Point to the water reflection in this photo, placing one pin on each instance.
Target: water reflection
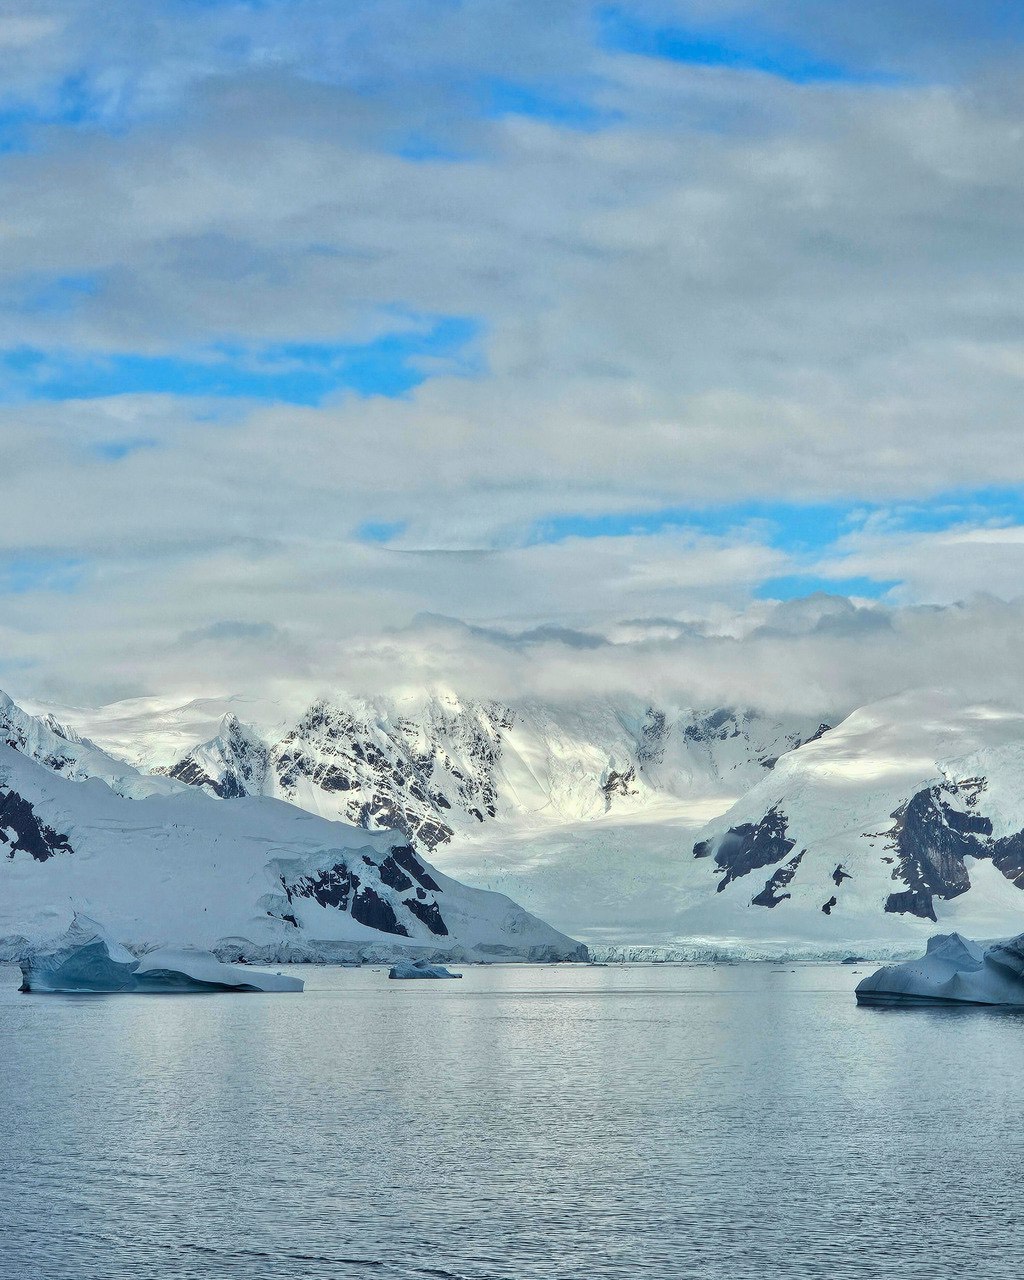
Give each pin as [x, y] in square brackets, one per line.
[713, 1122]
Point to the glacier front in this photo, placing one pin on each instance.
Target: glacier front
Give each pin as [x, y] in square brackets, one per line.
[420, 969]
[252, 879]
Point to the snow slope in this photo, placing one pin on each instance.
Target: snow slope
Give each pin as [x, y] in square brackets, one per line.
[582, 808]
[253, 877]
[436, 766]
[910, 812]
[152, 733]
[859, 840]
[62, 750]
[616, 878]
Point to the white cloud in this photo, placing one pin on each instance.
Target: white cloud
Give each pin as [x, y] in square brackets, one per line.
[740, 288]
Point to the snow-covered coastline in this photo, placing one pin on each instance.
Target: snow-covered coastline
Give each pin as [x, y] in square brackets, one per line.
[166, 864]
[612, 822]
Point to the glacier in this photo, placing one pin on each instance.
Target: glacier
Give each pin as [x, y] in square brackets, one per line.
[419, 969]
[646, 830]
[437, 765]
[252, 878]
[581, 811]
[87, 959]
[909, 814]
[953, 970]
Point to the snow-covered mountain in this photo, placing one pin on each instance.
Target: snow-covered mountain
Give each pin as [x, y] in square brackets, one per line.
[62, 750]
[153, 732]
[586, 808]
[435, 765]
[910, 812]
[618, 820]
[160, 861]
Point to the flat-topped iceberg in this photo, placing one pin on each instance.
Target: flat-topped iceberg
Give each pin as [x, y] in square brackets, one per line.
[953, 970]
[420, 969]
[87, 959]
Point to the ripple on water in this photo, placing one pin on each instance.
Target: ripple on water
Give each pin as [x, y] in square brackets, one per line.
[535, 1124]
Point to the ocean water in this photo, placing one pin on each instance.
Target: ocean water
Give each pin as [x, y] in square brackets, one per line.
[526, 1123]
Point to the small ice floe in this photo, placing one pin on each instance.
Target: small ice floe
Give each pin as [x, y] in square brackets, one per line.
[953, 970]
[420, 969]
[87, 959]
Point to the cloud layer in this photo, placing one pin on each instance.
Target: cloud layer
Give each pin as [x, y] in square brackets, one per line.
[316, 318]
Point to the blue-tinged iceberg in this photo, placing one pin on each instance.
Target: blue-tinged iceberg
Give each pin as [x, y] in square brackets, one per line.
[420, 969]
[953, 970]
[87, 959]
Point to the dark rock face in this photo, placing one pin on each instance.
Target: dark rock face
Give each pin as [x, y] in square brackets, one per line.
[393, 876]
[428, 913]
[242, 760]
[651, 747]
[22, 832]
[827, 906]
[369, 908]
[12, 733]
[729, 722]
[794, 741]
[405, 856]
[330, 888]
[189, 771]
[934, 832]
[911, 902]
[931, 840]
[343, 889]
[716, 724]
[1008, 857]
[840, 874]
[770, 895]
[745, 848]
[620, 784]
[396, 775]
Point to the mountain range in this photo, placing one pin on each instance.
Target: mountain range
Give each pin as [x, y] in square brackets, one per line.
[159, 861]
[641, 827]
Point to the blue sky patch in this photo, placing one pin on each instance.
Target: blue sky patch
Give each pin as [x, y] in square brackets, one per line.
[804, 532]
[790, 526]
[736, 48]
[501, 98]
[117, 450]
[293, 373]
[794, 527]
[50, 295]
[380, 531]
[422, 148]
[20, 575]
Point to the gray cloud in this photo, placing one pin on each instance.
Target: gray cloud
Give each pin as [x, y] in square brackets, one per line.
[738, 288]
[233, 632]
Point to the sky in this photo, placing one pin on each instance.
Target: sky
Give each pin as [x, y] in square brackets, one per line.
[527, 347]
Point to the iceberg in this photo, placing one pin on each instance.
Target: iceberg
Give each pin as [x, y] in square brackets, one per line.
[953, 970]
[87, 959]
[420, 969]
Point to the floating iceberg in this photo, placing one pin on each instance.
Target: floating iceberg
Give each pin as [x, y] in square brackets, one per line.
[953, 970]
[420, 969]
[86, 958]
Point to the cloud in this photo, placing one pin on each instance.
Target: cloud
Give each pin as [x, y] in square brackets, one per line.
[233, 632]
[675, 288]
[944, 565]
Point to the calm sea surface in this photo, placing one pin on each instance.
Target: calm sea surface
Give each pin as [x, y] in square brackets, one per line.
[524, 1123]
